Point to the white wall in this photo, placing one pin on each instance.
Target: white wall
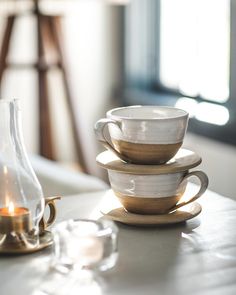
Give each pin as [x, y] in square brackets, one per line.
[94, 67]
[218, 161]
[92, 47]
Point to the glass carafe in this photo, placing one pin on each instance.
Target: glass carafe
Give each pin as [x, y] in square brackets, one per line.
[21, 196]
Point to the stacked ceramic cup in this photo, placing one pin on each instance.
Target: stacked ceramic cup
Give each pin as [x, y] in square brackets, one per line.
[147, 168]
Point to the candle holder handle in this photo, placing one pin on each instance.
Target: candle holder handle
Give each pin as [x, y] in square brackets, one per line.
[45, 223]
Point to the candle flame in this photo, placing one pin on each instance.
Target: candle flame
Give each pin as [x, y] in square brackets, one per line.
[5, 170]
[11, 208]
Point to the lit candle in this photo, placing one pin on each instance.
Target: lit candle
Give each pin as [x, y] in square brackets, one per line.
[14, 219]
[90, 250]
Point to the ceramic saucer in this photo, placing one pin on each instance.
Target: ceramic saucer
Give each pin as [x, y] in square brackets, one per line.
[182, 161]
[116, 212]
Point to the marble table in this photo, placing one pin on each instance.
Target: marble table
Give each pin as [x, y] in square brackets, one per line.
[196, 257]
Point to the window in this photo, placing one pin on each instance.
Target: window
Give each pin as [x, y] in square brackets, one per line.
[194, 55]
[194, 51]
[180, 52]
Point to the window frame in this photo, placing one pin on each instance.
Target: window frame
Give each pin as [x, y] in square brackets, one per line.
[142, 85]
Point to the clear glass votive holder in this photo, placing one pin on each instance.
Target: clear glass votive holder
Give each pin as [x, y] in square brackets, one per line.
[85, 244]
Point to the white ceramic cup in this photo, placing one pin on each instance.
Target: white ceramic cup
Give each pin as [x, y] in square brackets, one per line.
[144, 134]
[154, 194]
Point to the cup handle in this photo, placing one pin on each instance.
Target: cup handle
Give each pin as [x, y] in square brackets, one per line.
[99, 131]
[204, 184]
[43, 224]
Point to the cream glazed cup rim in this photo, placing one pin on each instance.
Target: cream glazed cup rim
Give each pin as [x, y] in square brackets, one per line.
[111, 113]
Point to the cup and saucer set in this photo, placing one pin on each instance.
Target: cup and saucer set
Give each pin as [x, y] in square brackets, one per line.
[147, 168]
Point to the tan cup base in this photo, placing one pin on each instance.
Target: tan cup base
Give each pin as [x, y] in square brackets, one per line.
[147, 206]
[139, 153]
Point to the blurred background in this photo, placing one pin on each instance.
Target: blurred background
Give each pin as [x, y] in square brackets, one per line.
[69, 62]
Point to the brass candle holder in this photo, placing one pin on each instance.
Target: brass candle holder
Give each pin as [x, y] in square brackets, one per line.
[22, 204]
[16, 230]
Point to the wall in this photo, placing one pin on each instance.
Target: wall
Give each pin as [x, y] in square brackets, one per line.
[92, 48]
[218, 161]
[95, 68]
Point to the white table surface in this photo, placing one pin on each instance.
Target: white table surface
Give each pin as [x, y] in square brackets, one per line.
[197, 257]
